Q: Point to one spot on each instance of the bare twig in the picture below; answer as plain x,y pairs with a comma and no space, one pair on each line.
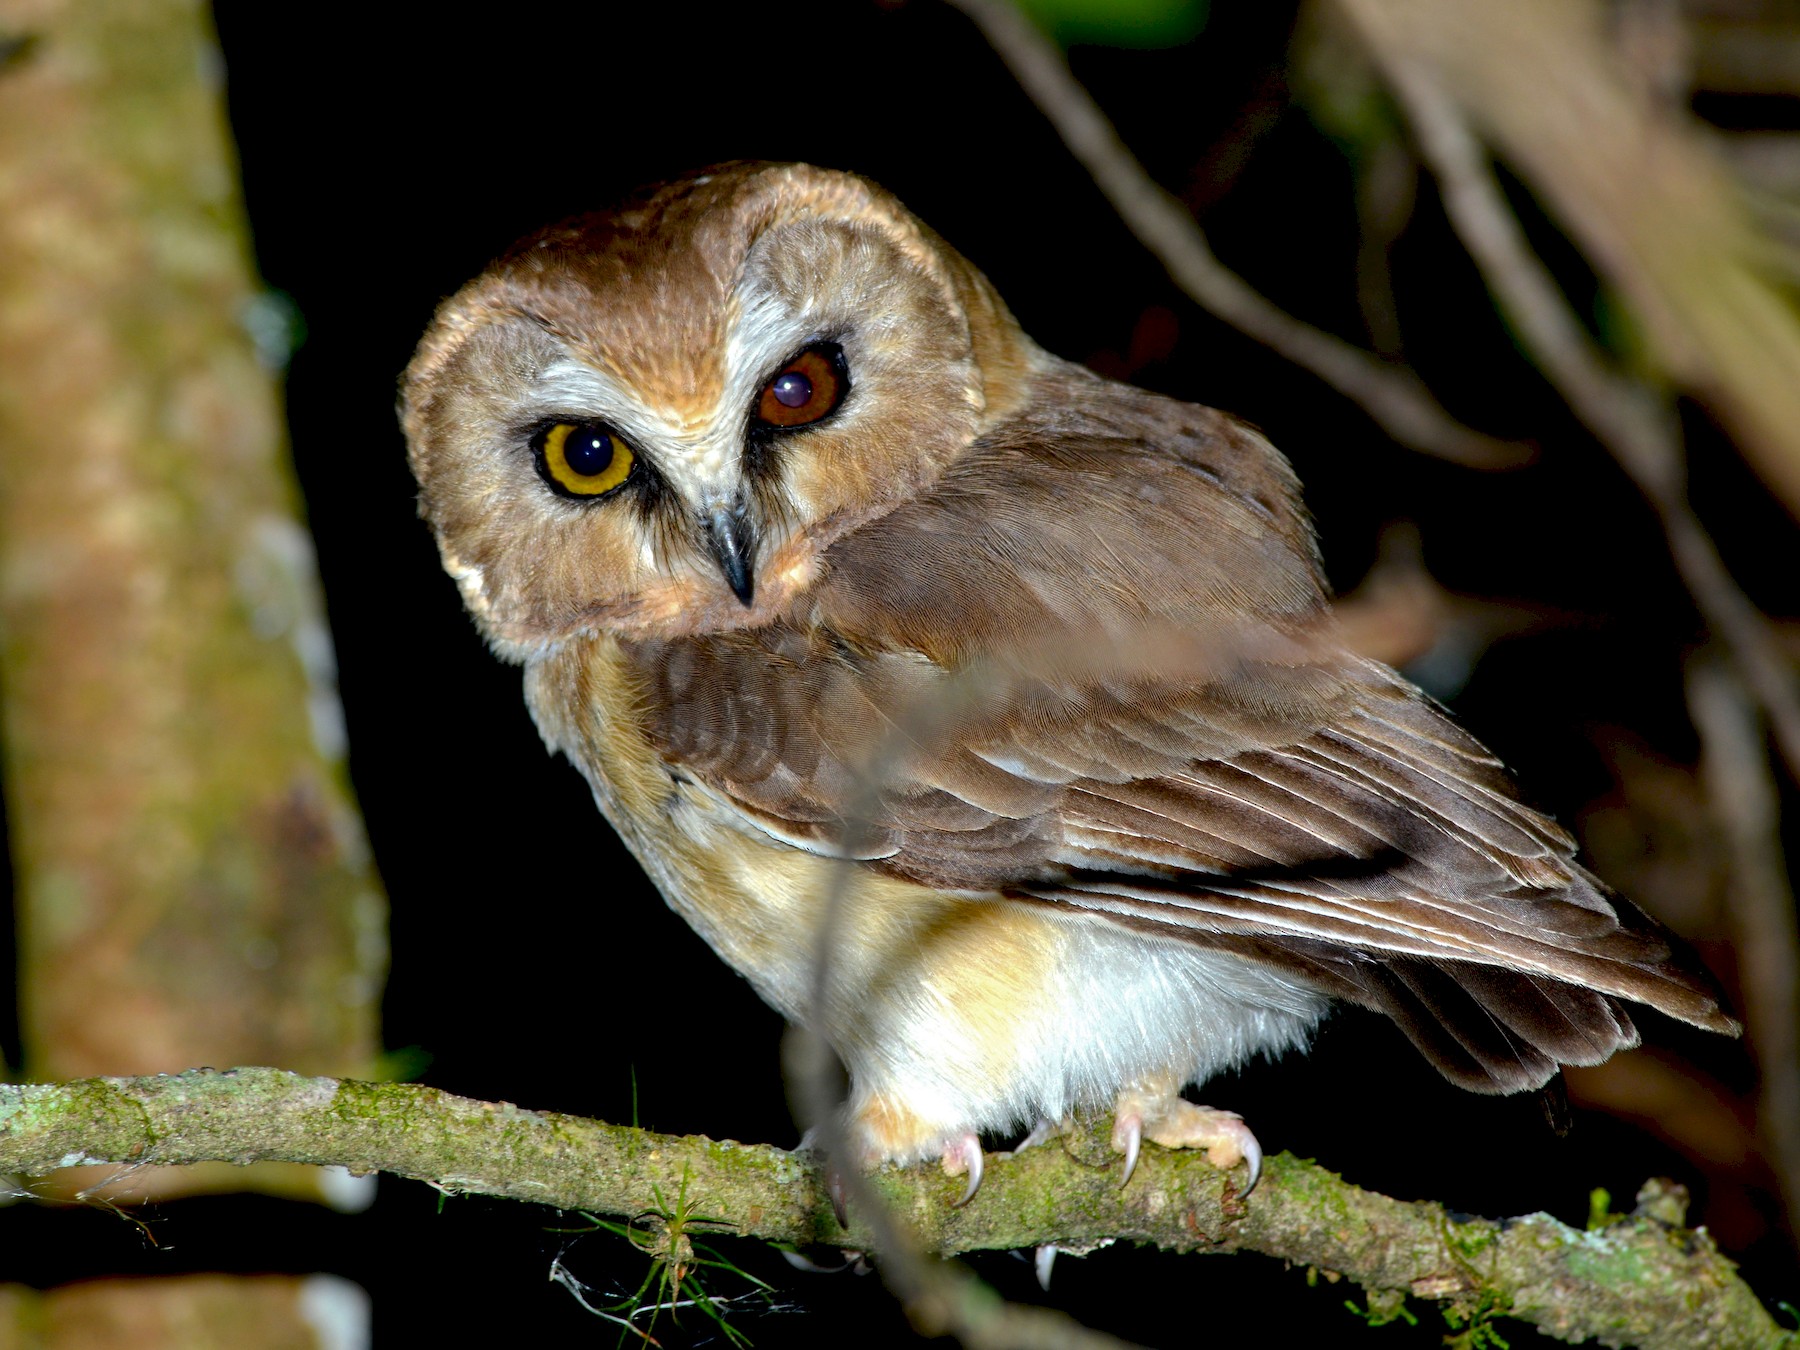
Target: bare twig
1642,1281
1632,424
1386,191
1392,395
1634,185
1746,806
940,1298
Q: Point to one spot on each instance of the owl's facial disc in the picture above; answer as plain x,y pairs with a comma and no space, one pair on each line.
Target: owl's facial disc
659,420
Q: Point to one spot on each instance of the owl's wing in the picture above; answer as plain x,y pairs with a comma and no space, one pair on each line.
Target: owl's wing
1380,854
1384,856
1283,799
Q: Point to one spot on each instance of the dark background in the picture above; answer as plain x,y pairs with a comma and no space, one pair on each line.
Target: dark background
387,156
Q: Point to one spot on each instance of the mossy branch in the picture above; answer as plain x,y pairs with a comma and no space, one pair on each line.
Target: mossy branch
1642,1280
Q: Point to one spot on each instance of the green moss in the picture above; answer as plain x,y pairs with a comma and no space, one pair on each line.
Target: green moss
1600,1209
355,1100
1385,1305
1472,1324
1468,1240
1324,1195
1610,1265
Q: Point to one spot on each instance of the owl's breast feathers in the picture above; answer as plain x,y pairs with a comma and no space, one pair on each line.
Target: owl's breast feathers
1093,669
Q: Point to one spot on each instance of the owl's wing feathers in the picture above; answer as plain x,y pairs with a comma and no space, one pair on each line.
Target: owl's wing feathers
1288,800
1395,873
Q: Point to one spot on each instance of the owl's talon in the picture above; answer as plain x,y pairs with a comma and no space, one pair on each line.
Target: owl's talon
1164,1118
1253,1158
847,1260
974,1185
964,1155
834,1187
1128,1138
1044,1130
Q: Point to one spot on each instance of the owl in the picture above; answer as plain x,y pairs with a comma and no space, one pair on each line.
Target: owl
841,591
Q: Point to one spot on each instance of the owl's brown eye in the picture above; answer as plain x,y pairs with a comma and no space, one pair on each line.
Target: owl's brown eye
581,459
805,389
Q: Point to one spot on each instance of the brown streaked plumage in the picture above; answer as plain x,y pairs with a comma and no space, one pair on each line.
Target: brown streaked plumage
1128,811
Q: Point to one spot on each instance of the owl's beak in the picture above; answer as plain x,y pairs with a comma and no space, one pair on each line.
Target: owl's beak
732,539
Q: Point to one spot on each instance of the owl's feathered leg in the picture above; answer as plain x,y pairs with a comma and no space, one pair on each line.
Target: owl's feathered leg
1159,1114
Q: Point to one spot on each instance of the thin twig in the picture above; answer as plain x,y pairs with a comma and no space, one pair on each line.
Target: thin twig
1635,428
1746,806
940,1298
1392,395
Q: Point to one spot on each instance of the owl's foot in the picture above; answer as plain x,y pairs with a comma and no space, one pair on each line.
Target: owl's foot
887,1132
1166,1119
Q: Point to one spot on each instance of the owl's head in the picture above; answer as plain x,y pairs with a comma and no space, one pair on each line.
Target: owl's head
654,420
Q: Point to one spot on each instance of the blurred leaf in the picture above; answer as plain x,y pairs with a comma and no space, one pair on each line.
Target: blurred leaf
1119,23
1622,333
1333,83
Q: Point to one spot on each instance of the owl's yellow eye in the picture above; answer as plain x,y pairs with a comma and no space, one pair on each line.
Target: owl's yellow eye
583,459
805,389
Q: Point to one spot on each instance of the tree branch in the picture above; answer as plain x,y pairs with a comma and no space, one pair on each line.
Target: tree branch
1642,1280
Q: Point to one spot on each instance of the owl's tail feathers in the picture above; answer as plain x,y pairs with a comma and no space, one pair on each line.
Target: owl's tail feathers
1493,1030
1497,1029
